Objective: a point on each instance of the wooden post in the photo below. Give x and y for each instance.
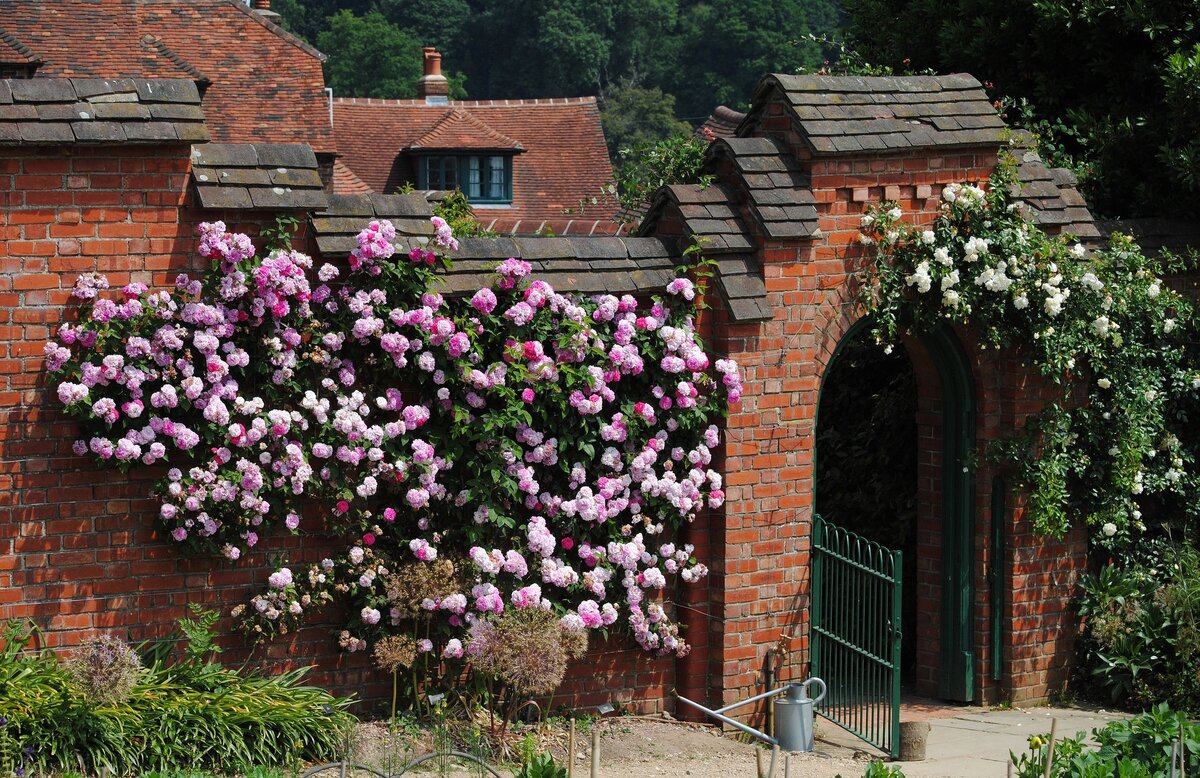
(595, 752)
(1050, 748)
(571, 749)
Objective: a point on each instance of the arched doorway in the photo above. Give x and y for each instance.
(894, 436)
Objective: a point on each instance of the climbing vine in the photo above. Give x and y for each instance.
(1101, 326)
(513, 449)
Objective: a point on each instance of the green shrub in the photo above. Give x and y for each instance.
(1142, 628)
(189, 715)
(541, 766)
(1137, 748)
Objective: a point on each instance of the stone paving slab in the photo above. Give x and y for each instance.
(972, 742)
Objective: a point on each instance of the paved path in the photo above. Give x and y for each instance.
(966, 742)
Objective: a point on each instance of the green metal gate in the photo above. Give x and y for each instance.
(855, 633)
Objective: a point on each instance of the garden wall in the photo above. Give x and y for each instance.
(81, 553)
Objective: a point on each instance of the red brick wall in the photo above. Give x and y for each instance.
(79, 549)
(760, 586)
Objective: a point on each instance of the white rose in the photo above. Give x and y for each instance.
(1103, 383)
(1109, 529)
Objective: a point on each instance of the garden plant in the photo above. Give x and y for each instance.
(1115, 447)
(511, 463)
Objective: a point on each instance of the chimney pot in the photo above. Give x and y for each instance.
(433, 86)
(433, 61)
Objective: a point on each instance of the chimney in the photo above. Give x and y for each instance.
(433, 86)
(263, 9)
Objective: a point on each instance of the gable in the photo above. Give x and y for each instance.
(259, 83)
(562, 155)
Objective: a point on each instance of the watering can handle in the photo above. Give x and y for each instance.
(819, 697)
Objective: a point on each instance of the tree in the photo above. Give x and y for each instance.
(726, 46)
(371, 57)
(635, 115)
(1122, 78)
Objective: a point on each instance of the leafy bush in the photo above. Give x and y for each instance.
(188, 715)
(1142, 627)
(1140, 747)
(1101, 326)
(644, 168)
(541, 766)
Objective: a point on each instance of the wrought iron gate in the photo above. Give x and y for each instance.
(855, 634)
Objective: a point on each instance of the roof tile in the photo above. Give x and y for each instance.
(255, 67)
(253, 176)
(63, 111)
(884, 114)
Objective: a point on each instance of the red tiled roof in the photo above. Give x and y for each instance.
(266, 85)
(345, 182)
(12, 51)
(723, 122)
(565, 160)
(458, 129)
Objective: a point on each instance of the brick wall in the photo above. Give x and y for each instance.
(760, 588)
(79, 549)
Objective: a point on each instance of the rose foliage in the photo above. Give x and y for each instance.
(516, 448)
(1101, 325)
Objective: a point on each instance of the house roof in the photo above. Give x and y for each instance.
(884, 114)
(345, 182)
(458, 129)
(564, 161)
(261, 83)
(257, 176)
(58, 111)
(723, 122)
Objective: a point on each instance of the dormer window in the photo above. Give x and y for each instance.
(484, 179)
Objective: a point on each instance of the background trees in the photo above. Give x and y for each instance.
(1113, 89)
(1115, 85)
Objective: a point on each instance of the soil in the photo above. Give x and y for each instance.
(630, 747)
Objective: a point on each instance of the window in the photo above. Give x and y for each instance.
(482, 178)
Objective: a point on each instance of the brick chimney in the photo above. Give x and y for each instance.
(263, 9)
(433, 86)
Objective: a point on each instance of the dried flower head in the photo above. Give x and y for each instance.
(523, 648)
(408, 585)
(106, 669)
(395, 652)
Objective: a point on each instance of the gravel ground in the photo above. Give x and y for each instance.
(630, 747)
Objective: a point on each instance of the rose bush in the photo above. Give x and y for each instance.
(514, 449)
(1105, 320)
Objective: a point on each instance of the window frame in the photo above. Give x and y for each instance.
(462, 175)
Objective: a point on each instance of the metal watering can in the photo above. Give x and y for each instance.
(793, 715)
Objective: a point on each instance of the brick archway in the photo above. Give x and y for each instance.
(943, 581)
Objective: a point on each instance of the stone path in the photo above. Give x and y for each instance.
(968, 741)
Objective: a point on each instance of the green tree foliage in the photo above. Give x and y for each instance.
(1122, 78)
(727, 45)
(635, 115)
(701, 52)
(370, 57)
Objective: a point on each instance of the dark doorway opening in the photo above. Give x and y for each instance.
(866, 459)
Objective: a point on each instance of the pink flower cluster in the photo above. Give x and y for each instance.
(575, 433)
